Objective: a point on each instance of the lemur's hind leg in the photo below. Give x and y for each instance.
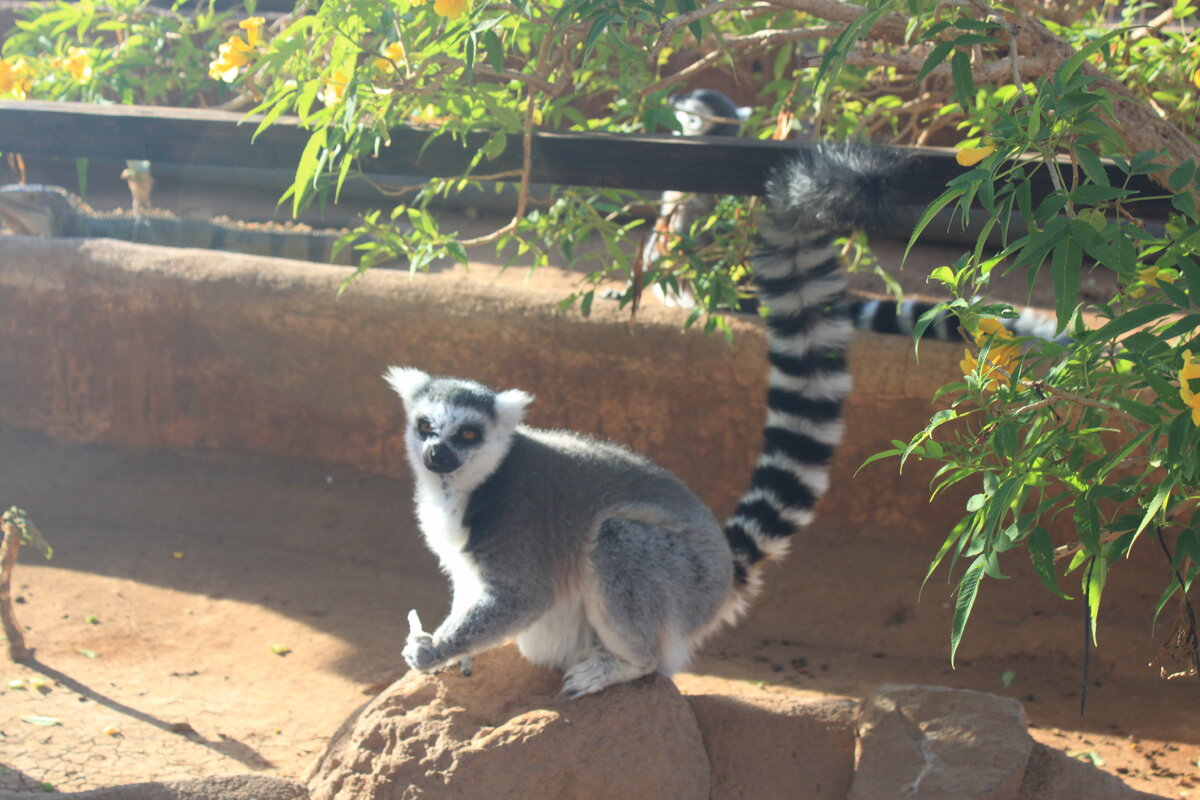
(627, 603)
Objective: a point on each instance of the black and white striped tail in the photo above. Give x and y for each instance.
(822, 193)
(886, 316)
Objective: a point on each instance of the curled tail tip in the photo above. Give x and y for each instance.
(837, 186)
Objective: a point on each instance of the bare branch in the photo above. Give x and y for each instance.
(10, 546)
(759, 39)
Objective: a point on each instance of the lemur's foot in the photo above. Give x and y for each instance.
(599, 671)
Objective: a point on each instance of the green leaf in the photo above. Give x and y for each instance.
(936, 56)
(1092, 167)
(306, 170)
(1087, 523)
(495, 50)
(1065, 267)
(945, 199)
(1185, 204)
(1090, 194)
(877, 457)
(1072, 64)
(964, 82)
(1156, 504)
(1094, 579)
(968, 589)
(1041, 554)
(37, 719)
(1191, 274)
(924, 321)
(1182, 175)
(972, 39)
(1129, 320)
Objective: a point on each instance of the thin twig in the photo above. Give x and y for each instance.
(10, 546)
(526, 156)
(758, 40)
(1083, 401)
(1192, 637)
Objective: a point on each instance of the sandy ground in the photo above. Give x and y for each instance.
(209, 613)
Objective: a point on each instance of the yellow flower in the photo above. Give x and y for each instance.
(1189, 373)
(78, 62)
(336, 88)
(990, 327)
(252, 27)
(970, 156)
(231, 56)
(16, 77)
(451, 9)
(1196, 78)
(969, 362)
(1003, 353)
(392, 54)
(1152, 276)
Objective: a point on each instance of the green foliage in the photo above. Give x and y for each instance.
(1099, 436)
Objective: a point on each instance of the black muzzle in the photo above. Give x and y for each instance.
(440, 459)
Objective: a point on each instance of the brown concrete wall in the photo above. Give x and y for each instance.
(139, 346)
(153, 347)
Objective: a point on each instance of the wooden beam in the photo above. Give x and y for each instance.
(645, 162)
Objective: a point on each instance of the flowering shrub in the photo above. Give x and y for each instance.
(124, 51)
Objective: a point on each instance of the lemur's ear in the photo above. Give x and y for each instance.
(510, 407)
(406, 381)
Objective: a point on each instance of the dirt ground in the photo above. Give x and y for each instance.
(213, 613)
(207, 613)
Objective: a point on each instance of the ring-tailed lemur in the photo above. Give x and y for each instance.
(598, 562)
(702, 112)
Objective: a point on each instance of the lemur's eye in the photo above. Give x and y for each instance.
(423, 426)
(469, 434)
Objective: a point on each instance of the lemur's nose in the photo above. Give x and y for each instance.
(440, 458)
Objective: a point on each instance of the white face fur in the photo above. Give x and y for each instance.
(691, 115)
(452, 441)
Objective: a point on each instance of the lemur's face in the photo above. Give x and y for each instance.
(448, 435)
(458, 430)
(691, 114)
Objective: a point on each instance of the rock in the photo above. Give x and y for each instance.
(936, 743)
(1053, 775)
(225, 787)
(769, 745)
(506, 732)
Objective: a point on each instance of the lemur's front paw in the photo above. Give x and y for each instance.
(420, 651)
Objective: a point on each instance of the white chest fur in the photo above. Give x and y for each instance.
(441, 524)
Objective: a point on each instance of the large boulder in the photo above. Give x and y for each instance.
(937, 743)
(507, 732)
(766, 745)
